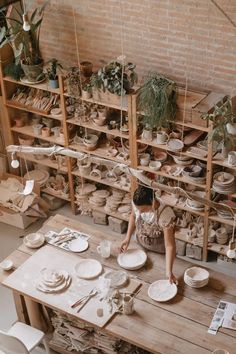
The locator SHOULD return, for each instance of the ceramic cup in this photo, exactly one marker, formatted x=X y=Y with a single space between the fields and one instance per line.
x=37 y=129
x=104 y=249
x=161 y=137
x=147 y=134
x=145 y=159
x=232 y=158
x=46 y=132
x=220 y=351
x=176 y=134
x=128 y=305
x=56 y=131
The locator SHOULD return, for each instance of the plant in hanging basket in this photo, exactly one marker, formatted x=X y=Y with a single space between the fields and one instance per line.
x=224 y=123
x=52 y=68
x=22 y=33
x=157 y=100
x=115 y=77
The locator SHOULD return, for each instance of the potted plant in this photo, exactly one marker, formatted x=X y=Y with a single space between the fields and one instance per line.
x=224 y=124
x=157 y=100
x=73 y=81
x=23 y=33
x=52 y=72
x=86 y=90
x=86 y=68
x=115 y=78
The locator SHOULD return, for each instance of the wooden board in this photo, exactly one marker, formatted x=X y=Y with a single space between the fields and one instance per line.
x=24 y=280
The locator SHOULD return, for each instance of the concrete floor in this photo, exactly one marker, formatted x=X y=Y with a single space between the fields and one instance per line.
x=11 y=238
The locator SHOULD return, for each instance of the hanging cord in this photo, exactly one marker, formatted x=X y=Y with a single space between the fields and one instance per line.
x=224 y=13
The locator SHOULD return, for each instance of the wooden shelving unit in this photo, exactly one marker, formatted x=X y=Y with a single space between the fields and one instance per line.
x=188 y=115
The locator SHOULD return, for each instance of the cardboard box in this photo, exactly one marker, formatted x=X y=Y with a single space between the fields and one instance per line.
x=13 y=218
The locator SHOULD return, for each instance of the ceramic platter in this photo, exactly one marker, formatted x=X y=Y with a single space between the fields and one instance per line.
x=132 y=259
x=88 y=269
x=53 y=280
x=162 y=290
x=118 y=278
x=78 y=245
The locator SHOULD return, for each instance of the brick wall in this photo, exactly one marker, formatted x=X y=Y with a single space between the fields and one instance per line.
x=179 y=38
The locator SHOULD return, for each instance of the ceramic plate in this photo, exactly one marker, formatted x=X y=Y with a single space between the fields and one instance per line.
x=88 y=269
x=162 y=290
x=175 y=144
x=118 y=278
x=132 y=259
x=78 y=245
x=26 y=81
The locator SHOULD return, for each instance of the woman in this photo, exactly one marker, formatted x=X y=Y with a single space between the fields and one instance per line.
x=152 y=230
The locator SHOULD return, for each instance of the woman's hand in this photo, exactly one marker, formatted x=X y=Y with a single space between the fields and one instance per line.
x=124 y=245
x=172 y=279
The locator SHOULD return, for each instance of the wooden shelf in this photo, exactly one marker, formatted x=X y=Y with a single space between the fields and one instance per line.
x=164 y=147
x=28 y=130
x=12 y=104
x=223 y=163
x=101 y=180
x=191 y=125
x=101 y=151
x=48 y=191
x=102 y=103
x=44 y=161
x=220 y=249
x=221 y=220
x=102 y=210
x=103 y=128
x=167 y=200
x=180 y=179
x=41 y=86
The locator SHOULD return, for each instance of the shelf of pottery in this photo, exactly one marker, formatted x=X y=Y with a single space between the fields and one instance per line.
x=183 y=157
x=41 y=116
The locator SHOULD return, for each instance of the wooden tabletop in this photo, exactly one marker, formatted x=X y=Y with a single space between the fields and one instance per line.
x=177 y=326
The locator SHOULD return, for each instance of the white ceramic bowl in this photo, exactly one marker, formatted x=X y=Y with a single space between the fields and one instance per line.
x=196 y=276
x=34 y=238
x=7 y=264
x=155 y=165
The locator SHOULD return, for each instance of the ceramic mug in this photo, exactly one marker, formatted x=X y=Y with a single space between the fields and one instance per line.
x=128 y=305
x=104 y=249
x=161 y=137
x=232 y=158
x=176 y=134
x=145 y=159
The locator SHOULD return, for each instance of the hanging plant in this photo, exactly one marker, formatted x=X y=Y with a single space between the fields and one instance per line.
x=224 y=121
x=115 y=77
x=157 y=100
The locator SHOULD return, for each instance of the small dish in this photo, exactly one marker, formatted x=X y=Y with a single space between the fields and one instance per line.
x=78 y=245
x=88 y=269
x=175 y=144
x=7 y=264
x=155 y=165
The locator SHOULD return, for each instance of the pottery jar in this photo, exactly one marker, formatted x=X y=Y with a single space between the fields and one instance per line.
x=147 y=134
x=46 y=132
x=37 y=129
x=232 y=158
x=128 y=305
x=176 y=134
x=56 y=131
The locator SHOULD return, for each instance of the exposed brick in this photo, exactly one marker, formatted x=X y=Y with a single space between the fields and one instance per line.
x=177 y=37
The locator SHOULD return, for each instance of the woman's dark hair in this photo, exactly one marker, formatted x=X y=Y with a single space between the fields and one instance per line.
x=143 y=196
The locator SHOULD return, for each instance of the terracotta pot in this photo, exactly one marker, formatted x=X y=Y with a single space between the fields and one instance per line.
x=46 y=132
x=86 y=68
x=19 y=122
x=33 y=72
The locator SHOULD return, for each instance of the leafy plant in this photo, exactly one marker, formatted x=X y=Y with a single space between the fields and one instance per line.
x=52 y=70
x=115 y=77
x=157 y=100
x=221 y=115
x=25 y=43
x=86 y=86
x=13 y=70
x=73 y=81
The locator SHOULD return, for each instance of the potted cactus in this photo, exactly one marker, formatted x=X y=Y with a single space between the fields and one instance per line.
x=52 y=72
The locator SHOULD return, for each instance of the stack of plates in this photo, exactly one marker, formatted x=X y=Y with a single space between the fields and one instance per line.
x=118 y=278
x=222 y=236
x=88 y=269
x=224 y=213
x=182 y=162
x=113 y=202
x=224 y=183
x=53 y=280
x=175 y=144
x=196 y=277
x=99 y=197
x=39 y=176
x=132 y=259
x=195 y=205
x=34 y=240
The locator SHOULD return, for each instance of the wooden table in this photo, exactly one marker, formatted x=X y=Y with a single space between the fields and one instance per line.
x=179 y=326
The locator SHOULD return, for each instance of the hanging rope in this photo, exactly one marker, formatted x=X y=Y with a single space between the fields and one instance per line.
x=224 y=13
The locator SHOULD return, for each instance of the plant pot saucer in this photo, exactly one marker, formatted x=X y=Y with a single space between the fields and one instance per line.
x=24 y=80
